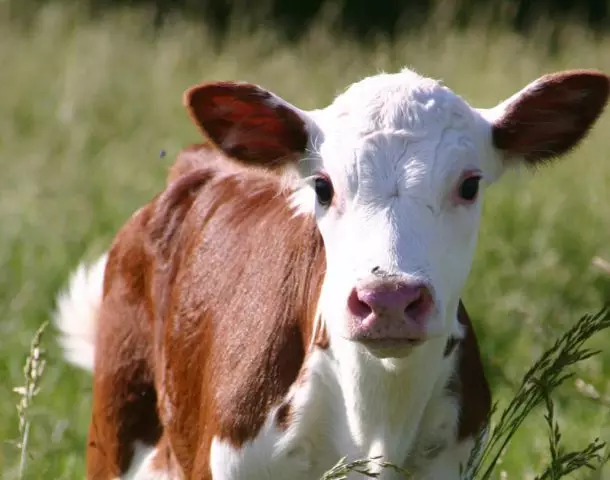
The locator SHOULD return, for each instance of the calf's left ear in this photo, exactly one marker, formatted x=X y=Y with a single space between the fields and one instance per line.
x=248 y=123
x=548 y=117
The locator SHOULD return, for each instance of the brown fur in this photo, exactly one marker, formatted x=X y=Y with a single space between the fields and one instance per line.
x=246 y=122
x=124 y=400
x=222 y=281
x=549 y=120
x=470 y=384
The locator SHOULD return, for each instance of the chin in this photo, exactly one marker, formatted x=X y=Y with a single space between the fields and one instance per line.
x=392 y=348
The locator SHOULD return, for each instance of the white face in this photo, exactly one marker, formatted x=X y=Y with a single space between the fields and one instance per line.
x=402 y=160
x=393 y=172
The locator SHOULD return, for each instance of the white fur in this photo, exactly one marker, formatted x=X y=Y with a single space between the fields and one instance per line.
x=306 y=450
x=77 y=312
x=331 y=419
x=449 y=462
x=141 y=465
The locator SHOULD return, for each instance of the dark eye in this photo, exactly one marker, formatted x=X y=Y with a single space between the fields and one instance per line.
x=324 y=190
x=469 y=188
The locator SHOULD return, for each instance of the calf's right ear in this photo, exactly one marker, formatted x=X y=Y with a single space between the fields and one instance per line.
x=248 y=123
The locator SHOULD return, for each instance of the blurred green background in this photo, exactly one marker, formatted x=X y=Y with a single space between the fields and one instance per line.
x=90 y=93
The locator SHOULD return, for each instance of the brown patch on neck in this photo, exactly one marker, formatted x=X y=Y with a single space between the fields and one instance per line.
x=210 y=294
x=470 y=384
x=233 y=346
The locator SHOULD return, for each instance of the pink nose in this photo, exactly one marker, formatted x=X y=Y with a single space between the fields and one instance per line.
x=390 y=309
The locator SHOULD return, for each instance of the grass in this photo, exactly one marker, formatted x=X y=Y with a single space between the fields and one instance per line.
x=88 y=105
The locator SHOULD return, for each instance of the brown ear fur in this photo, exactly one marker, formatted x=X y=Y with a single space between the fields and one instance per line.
x=552 y=115
x=247 y=122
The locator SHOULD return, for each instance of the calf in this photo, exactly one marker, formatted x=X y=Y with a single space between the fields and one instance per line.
x=293 y=295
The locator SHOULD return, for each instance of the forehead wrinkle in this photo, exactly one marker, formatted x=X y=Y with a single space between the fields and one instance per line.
x=403 y=107
x=455 y=143
x=455 y=150
x=378 y=161
x=377 y=149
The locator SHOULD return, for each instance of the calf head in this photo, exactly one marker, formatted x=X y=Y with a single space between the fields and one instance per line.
x=394 y=171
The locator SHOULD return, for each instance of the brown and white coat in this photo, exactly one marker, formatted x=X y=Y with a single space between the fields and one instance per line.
x=293 y=295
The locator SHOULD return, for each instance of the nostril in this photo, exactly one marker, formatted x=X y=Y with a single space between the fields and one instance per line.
x=420 y=304
x=356 y=306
